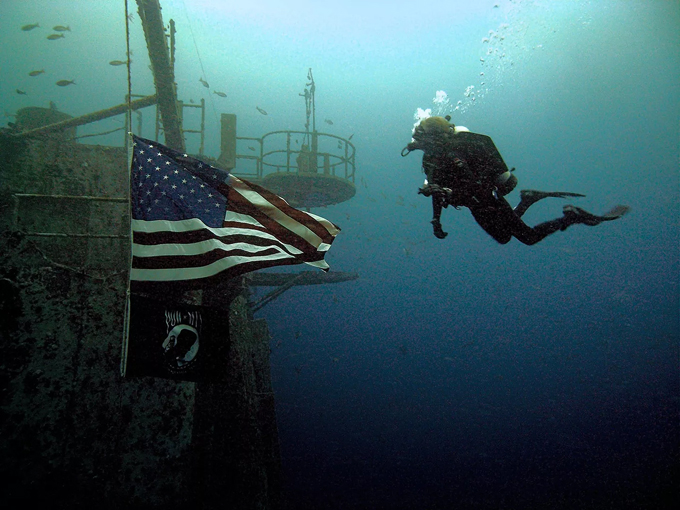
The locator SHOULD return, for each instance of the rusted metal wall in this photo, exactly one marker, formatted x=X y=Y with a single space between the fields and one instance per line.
x=73 y=433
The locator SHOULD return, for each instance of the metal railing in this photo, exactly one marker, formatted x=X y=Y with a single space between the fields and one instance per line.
x=337 y=155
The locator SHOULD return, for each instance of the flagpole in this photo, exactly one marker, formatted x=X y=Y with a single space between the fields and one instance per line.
x=129 y=145
x=126 y=322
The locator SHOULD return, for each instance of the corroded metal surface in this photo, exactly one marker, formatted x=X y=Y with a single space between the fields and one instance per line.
x=70 y=424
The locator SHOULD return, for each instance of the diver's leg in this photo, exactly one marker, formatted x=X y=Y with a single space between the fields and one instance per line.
x=496 y=219
x=528 y=197
x=501 y=222
x=572 y=216
x=528 y=235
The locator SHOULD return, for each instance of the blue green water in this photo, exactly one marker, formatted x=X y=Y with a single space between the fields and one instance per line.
x=454 y=373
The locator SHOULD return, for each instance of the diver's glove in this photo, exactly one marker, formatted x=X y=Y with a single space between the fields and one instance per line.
x=438 y=232
x=434 y=189
x=426 y=190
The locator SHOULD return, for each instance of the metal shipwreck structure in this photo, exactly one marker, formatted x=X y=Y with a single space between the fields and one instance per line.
x=73 y=433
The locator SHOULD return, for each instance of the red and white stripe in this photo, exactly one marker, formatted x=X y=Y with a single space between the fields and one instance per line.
x=260 y=230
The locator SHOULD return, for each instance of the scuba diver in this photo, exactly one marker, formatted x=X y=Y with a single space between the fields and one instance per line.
x=465 y=169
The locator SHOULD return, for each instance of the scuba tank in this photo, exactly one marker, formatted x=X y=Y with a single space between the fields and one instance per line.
x=505 y=182
x=483 y=160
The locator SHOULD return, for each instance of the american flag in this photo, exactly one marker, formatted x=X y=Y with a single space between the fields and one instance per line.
x=192 y=221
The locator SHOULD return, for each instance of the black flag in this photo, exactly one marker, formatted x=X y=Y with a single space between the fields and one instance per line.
x=175 y=340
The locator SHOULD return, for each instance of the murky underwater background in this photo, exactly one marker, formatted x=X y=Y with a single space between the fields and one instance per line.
x=454 y=373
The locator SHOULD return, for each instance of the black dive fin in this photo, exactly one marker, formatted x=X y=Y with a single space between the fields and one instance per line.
x=616 y=212
x=576 y=215
x=535 y=195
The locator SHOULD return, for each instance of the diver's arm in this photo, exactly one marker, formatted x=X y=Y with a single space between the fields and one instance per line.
x=439 y=200
x=437 y=203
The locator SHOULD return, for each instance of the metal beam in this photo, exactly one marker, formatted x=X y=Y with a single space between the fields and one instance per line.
x=88 y=118
x=163 y=75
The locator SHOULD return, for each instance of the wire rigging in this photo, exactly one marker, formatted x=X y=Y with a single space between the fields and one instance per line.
x=128 y=118
x=198 y=54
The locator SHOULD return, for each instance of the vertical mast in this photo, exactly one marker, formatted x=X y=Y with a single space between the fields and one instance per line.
x=163 y=75
x=312 y=91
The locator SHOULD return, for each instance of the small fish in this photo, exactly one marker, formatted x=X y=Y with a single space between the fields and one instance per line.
x=36 y=73
x=221 y=94
x=26 y=28
x=339 y=145
x=53 y=37
x=328 y=121
x=350 y=136
x=261 y=110
x=118 y=62
x=205 y=83
x=21 y=92
x=60 y=28
x=251 y=148
x=64 y=83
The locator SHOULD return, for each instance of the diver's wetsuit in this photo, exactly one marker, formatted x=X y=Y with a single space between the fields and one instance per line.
x=460 y=177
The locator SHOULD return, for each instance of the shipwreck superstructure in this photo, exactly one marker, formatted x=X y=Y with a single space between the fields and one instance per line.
x=73 y=431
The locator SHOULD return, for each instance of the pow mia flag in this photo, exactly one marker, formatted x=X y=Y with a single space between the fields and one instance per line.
x=174 y=340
